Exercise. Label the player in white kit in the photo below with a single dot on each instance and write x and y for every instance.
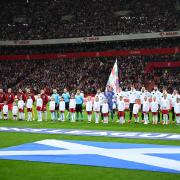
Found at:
(158, 95)
(5, 110)
(174, 97)
(96, 109)
(89, 107)
(21, 106)
(52, 106)
(39, 104)
(62, 108)
(105, 112)
(136, 109)
(29, 105)
(177, 110)
(101, 97)
(145, 110)
(121, 109)
(72, 107)
(15, 111)
(154, 110)
(165, 106)
(132, 96)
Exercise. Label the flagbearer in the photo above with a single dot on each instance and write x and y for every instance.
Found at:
(109, 96)
(112, 88)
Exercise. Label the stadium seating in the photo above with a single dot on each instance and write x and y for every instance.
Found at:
(85, 73)
(63, 18)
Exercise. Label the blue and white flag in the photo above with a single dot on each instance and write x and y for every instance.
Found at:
(113, 80)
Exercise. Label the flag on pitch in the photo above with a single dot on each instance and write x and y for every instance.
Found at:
(113, 80)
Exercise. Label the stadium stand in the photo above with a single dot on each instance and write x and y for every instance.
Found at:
(85, 73)
(47, 19)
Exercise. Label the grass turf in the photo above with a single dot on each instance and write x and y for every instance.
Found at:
(15, 170)
(112, 126)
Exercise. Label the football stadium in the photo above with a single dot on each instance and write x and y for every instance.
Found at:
(90, 89)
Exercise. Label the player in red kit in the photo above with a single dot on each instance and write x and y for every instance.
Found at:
(45, 99)
(10, 99)
(2, 99)
(21, 94)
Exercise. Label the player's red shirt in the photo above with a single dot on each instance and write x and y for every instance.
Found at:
(22, 95)
(9, 98)
(44, 98)
(2, 97)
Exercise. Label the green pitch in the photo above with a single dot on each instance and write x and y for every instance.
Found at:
(17, 170)
(113, 126)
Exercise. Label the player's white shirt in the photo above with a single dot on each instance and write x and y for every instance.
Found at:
(21, 104)
(177, 108)
(96, 106)
(144, 94)
(168, 97)
(15, 110)
(157, 94)
(146, 106)
(154, 106)
(52, 105)
(165, 104)
(62, 106)
(133, 95)
(122, 93)
(101, 97)
(5, 109)
(121, 105)
(173, 99)
(29, 103)
(72, 104)
(39, 102)
(136, 108)
(89, 106)
(105, 108)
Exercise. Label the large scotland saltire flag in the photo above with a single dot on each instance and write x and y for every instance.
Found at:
(147, 157)
(113, 80)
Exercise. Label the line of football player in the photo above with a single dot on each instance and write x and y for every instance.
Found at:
(104, 105)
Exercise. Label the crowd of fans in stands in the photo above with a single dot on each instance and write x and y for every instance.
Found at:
(49, 19)
(87, 74)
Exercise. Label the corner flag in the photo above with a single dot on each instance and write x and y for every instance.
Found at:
(113, 80)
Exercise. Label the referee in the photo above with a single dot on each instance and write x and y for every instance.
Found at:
(66, 97)
(79, 102)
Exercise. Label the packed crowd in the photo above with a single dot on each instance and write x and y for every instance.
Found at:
(63, 18)
(86, 73)
(105, 104)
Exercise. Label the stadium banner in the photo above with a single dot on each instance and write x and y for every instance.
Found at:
(152, 65)
(98, 133)
(148, 157)
(113, 80)
(145, 52)
(122, 37)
